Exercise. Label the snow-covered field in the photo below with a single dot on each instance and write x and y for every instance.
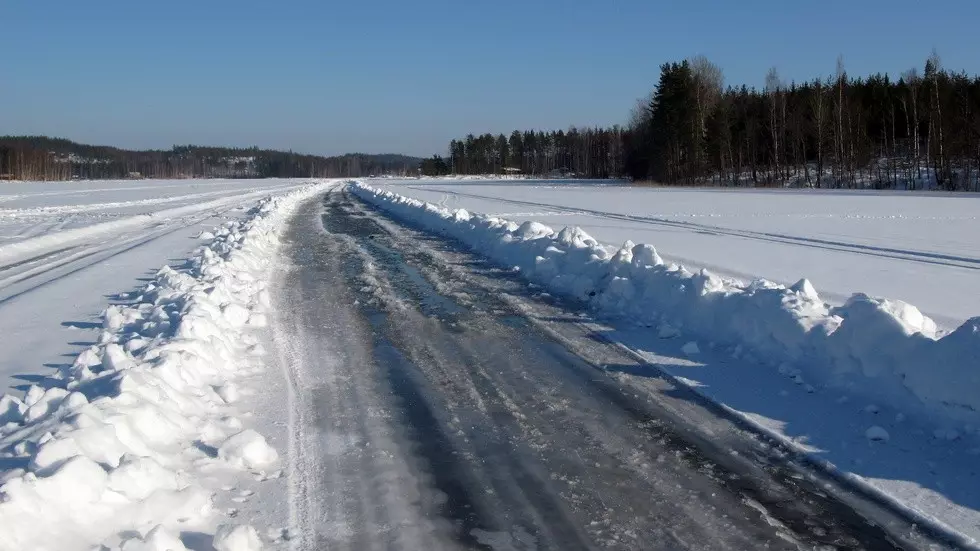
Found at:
(917, 247)
(118, 425)
(65, 247)
(866, 387)
(137, 411)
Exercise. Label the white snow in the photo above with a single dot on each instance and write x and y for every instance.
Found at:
(248, 449)
(784, 359)
(914, 247)
(62, 265)
(127, 446)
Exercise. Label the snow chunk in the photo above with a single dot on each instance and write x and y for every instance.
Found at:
(248, 449)
(691, 348)
(236, 314)
(242, 537)
(646, 255)
(228, 392)
(115, 358)
(157, 539)
(877, 434)
(47, 402)
(54, 453)
(11, 409)
(667, 331)
(138, 477)
(533, 230)
(804, 288)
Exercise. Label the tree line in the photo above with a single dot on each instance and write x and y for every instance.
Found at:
(921, 130)
(585, 153)
(44, 158)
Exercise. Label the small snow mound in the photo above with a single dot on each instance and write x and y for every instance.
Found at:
(877, 434)
(206, 236)
(576, 237)
(691, 348)
(242, 537)
(881, 312)
(533, 230)
(248, 449)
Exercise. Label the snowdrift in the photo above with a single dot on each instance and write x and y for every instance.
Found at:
(885, 350)
(112, 450)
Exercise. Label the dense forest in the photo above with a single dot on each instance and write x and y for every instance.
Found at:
(921, 130)
(43, 158)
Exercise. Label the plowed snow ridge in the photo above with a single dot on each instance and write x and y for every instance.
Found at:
(129, 445)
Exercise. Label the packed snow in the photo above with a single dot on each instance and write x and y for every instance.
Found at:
(781, 356)
(129, 444)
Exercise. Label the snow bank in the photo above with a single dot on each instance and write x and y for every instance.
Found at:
(883, 349)
(112, 452)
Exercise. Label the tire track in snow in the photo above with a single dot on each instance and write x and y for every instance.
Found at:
(14, 252)
(73, 259)
(73, 209)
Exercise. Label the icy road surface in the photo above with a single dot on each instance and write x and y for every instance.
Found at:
(916, 247)
(432, 403)
(67, 247)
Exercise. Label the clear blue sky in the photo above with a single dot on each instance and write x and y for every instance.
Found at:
(392, 76)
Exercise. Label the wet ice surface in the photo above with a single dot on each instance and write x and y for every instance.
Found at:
(432, 411)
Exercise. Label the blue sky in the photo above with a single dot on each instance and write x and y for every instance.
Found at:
(391, 76)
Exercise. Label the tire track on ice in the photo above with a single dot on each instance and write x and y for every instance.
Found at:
(441, 418)
(350, 486)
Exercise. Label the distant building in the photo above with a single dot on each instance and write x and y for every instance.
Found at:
(511, 170)
(135, 176)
